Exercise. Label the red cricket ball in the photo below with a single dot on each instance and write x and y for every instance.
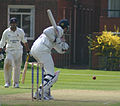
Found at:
(94, 77)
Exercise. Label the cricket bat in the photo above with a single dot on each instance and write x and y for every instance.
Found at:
(25, 69)
(52, 21)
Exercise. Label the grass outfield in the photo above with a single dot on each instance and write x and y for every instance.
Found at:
(71, 82)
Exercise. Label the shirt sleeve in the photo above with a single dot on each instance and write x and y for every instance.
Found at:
(50, 32)
(24, 39)
(3, 39)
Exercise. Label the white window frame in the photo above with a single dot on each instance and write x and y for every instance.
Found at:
(32, 19)
(113, 8)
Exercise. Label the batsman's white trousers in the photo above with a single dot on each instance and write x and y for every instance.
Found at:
(13, 62)
(46, 59)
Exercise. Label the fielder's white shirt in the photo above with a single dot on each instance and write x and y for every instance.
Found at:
(13, 39)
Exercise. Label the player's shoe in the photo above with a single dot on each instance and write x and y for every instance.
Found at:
(6, 85)
(16, 85)
(35, 96)
(39, 97)
(49, 96)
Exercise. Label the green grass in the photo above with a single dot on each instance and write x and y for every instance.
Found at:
(70, 79)
(76, 79)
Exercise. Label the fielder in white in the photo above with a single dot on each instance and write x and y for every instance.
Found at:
(41, 51)
(11, 39)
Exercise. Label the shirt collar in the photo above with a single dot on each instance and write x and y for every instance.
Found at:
(11, 30)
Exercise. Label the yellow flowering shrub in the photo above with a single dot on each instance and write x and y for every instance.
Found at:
(106, 44)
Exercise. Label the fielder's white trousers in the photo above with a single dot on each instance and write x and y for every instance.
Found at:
(13, 62)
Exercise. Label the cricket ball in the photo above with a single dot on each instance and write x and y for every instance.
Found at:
(94, 77)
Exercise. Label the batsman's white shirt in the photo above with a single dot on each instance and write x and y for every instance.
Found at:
(45, 41)
(13, 39)
(41, 49)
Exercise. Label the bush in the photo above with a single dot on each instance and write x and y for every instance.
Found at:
(108, 45)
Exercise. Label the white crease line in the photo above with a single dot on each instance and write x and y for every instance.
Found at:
(94, 74)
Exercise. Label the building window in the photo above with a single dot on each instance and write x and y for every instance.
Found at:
(113, 8)
(25, 15)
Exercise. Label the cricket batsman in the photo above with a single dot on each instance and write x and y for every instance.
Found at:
(41, 51)
(11, 40)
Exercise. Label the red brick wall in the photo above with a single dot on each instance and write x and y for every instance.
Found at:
(104, 20)
(89, 3)
(109, 22)
(3, 17)
(41, 20)
(63, 4)
(104, 4)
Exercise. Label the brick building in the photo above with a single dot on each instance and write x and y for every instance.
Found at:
(85, 17)
(109, 16)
